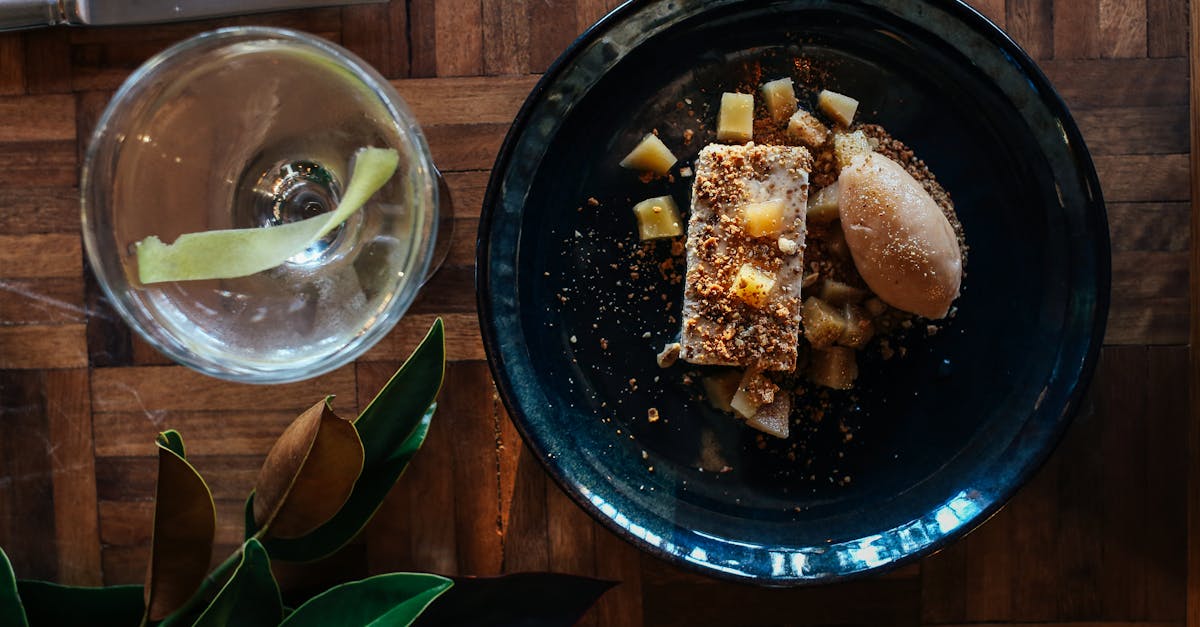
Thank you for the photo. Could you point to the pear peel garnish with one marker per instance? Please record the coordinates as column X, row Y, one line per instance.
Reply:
column 232, row 253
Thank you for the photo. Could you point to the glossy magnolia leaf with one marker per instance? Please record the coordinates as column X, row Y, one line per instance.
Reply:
column 11, row 612
column 368, row 494
column 397, row 409
column 309, row 473
column 392, row 428
column 184, row 522
column 51, row 605
column 521, row 600
column 392, row 600
column 233, row 253
column 251, row 596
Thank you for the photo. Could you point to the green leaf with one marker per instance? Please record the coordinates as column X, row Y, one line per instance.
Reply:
column 368, row 495
column 11, row 612
column 51, row 605
column 230, row 253
column 393, row 600
column 185, row 521
column 251, row 596
column 396, row 411
column 392, row 428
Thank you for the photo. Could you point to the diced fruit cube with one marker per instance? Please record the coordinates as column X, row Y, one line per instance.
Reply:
column 658, row 217
column 763, row 218
column 823, row 206
column 835, row 242
column 805, row 127
column 754, row 391
column 780, row 98
column 875, row 307
column 838, row 293
column 834, row 367
column 859, row 328
column 773, row 418
column 650, row 155
column 720, row 388
column 823, row 324
column 735, row 121
column 839, row 107
column 847, row 146
column 753, row 286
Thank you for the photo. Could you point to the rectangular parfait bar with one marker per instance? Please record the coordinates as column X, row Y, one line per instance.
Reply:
column 745, row 257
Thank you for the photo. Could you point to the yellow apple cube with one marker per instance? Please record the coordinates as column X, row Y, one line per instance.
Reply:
column 847, row 146
column 834, row 367
column 805, row 127
column 780, row 98
column 823, row 324
column 762, row 219
column 839, row 107
column 720, row 388
column 753, row 286
column 735, row 121
column 823, row 206
column 658, row 218
column 650, row 155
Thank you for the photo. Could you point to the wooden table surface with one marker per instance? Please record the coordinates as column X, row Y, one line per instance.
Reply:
column 1099, row 537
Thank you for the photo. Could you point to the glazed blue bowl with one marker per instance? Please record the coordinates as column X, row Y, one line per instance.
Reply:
column 929, row 444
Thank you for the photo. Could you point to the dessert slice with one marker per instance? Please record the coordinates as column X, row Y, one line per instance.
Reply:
column 745, row 257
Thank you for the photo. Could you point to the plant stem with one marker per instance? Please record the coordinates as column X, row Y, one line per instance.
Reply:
column 214, row 579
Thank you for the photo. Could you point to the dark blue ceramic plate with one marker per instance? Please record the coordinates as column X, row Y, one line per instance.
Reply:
column 939, row 439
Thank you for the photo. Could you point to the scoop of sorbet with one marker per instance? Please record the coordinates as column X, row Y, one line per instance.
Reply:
column 902, row 243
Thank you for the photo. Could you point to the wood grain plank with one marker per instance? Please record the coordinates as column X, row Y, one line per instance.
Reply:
column 944, row 584
column 552, row 28
column 43, row 346
column 422, row 35
column 240, row 432
column 42, row 164
column 572, row 546
column 1155, row 321
column 1077, row 29
column 12, row 64
column 1167, row 28
column 459, row 35
column 37, row 118
column 1034, row 541
column 161, row 388
column 1143, row 178
column 617, row 560
column 50, row 301
column 1193, row 439
column 988, row 591
column 452, row 290
column 467, row 191
column 1085, row 623
column 523, row 510
column 130, row 523
column 1123, row 29
column 315, row 21
column 1167, row 418
column 77, row 537
column 43, row 255
column 367, row 32
column 1094, row 83
column 465, row 146
column 47, row 61
column 414, row 528
column 1135, row 130
column 463, row 341
column 1029, row 23
column 39, row 210
column 506, row 37
column 588, row 12
column 1149, row 226
column 466, row 410
column 465, row 100
column 27, row 509
column 670, row 598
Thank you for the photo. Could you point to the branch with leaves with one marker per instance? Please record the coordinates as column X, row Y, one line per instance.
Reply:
column 321, row 482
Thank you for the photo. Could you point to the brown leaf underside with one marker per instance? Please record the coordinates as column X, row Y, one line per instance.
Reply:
column 308, row 474
column 184, row 524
